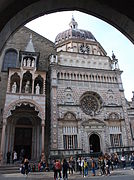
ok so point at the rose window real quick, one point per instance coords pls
(91, 103)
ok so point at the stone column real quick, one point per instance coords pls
(32, 86)
(2, 140)
(8, 84)
(43, 139)
(20, 85)
(44, 84)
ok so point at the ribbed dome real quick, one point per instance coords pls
(74, 33)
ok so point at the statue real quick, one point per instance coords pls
(53, 59)
(14, 87)
(116, 64)
(27, 87)
(37, 89)
(24, 62)
(32, 63)
(115, 61)
(28, 62)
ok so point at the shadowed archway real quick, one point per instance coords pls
(14, 14)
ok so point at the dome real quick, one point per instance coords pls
(74, 33)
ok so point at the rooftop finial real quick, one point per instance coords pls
(113, 56)
(115, 61)
(73, 17)
(73, 24)
(30, 47)
(133, 94)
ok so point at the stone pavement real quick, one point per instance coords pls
(119, 174)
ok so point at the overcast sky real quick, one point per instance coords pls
(109, 37)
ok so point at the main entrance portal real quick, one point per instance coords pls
(24, 132)
(94, 142)
(23, 140)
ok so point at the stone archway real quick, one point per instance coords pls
(12, 113)
(15, 14)
(12, 106)
(24, 131)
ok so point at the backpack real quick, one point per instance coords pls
(93, 164)
(57, 166)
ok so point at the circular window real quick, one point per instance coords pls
(91, 103)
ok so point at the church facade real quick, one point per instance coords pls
(62, 98)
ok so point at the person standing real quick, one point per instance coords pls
(107, 164)
(132, 161)
(123, 160)
(8, 157)
(54, 169)
(79, 165)
(65, 169)
(93, 166)
(57, 169)
(116, 160)
(26, 165)
(22, 155)
(14, 157)
(99, 165)
(85, 167)
(82, 166)
(102, 164)
(71, 165)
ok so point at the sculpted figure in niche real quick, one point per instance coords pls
(28, 62)
(111, 99)
(24, 62)
(53, 59)
(32, 63)
(69, 98)
(37, 89)
(14, 87)
(27, 87)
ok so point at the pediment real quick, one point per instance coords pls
(92, 122)
(69, 116)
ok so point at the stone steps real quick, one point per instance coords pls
(9, 169)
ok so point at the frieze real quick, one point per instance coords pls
(114, 116)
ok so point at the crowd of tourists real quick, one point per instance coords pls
(62, 168)
(103, 165)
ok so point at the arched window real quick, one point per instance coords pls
(27, 83)
(10, 59)
(15, 78)
(38, 82)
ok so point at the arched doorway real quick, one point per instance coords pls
(94, 143)
(24, 131)
(23, 137)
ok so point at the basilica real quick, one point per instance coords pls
(62, 98)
